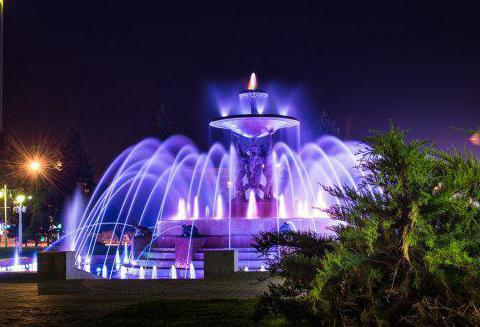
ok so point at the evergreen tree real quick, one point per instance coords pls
(75, 165)
(327, 126)
(409, 252)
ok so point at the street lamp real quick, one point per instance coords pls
(20, 209)
(4, 196)
(35, 166)
(1, 62)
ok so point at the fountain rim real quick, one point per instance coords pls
(255, 91)
(293, 121)
(281, 121)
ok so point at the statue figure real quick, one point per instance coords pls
(189, 230)
(255, 168)
(241, 168)
(267, 171)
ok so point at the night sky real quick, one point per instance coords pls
(108, 66)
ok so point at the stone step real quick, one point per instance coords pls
(164, 273)
(164, 263)
(201, 255)
(160, 255)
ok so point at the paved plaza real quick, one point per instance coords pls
(81, 302)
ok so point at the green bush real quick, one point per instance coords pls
(410, 251)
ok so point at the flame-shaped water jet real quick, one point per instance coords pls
(219, 214)
(182, 210)
(123, 272)
(252, 83)
(141, 273)
(173, 272)
(16, 258)
(282, 210)
(154, 272)
(117, 260)
(196, 210)
(126, 258)
(252, 206)
(191, 271)
(86, 266)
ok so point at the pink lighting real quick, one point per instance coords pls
(169, 198)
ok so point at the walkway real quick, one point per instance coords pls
(80, 302)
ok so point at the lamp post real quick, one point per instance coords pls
(20, 209)
(4, 196)
(2, 4)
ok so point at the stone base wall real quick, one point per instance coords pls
(221, 263)
(60, 265)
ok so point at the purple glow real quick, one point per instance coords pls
(254, 126)
(167, 202)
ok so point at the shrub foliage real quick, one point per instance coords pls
(410, 251)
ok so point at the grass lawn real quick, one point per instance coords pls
(208, 312)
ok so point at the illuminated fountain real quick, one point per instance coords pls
(161, 205)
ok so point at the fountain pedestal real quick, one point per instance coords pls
(185, 249)
(264, 208)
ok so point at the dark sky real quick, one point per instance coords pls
(107, 66)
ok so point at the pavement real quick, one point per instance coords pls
(26, 302)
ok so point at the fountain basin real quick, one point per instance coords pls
(254, 125)
(235, 233)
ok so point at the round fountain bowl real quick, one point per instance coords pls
(254, 125)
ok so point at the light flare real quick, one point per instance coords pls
(475, 139)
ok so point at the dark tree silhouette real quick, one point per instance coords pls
(326, 125)
(75, 165)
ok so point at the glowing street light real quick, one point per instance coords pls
(35, 166)
(20, 209)
(2, 3)
(19, 199)
(4, 196)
